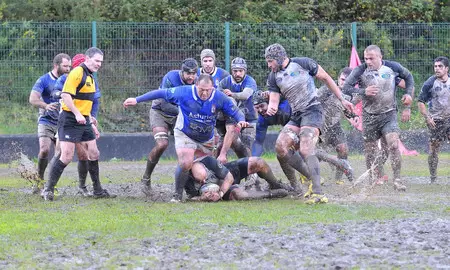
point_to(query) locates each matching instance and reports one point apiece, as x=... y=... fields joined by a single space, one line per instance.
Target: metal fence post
x=354 y=41
x=94 y=40
x=227 y=46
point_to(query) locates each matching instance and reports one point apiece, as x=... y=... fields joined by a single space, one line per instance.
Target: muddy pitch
x=420 y=241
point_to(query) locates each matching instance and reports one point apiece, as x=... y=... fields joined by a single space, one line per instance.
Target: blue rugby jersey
x=171 y=79
x=245 y=105
x=280 y=118
x=45 y=85
x=196 y=117
x=218 y=75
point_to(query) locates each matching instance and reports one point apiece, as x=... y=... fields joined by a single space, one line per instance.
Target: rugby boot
x=398 y=185
x=146 y=186
x=316 y=199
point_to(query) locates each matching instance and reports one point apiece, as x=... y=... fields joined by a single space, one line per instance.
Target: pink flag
x=354 y=62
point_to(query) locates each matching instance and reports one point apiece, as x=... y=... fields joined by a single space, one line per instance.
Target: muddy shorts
x=377 y=125
x=70 y=131
x=48 y=131
x=159 y=119
x=247 y=134
x=311 y=117
x=183 y=141
x=334 y=135
x=441 y=132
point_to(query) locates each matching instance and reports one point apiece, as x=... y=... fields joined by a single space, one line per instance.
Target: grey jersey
x=385 y=78
x=437 y=94
x=332 y=107
x=296 y=83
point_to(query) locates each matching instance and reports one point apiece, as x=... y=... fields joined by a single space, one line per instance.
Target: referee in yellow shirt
x=74 y=124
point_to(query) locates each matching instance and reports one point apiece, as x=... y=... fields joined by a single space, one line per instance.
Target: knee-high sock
x=289 y=171
x=54 y=175
x=314 y=168
x=268 y=175
x=42 y=165
x=94 y=172
x=296 y=161
x=83 y=166
x=181 y=178
x=149 y=168
x=433 y=160
x=324 y=156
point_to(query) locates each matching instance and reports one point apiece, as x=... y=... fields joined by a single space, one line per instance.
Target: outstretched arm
x=151 y=95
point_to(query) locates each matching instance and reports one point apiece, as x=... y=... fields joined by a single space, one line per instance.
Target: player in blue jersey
x=377 y=79
x=41 y=97
x=436 y=93
x=83 y=159
x=194 y=129
x=294 y=79
x=240 y=87
x=163 y=116
x=208 y=63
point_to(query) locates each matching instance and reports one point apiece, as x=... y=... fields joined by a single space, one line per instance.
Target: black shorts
x=311 y=117
x=377 y=125
x=334 y=135
x=70 y=131
x=441 y=132
x=238 y=168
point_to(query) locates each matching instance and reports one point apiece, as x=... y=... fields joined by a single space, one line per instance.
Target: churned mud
x=419 y=241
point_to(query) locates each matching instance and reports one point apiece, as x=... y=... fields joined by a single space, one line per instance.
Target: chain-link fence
x=137 y=55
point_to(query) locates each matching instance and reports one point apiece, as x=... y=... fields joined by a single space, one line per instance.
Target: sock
x=181 y=178
x=94 y=172
x=149 y=168
x=42 y=165
x=54 y=175
x=82 y=172
x=314 y=168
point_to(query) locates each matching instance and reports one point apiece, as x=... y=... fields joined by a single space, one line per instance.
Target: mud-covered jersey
x=280 y=118
x=246 y=106
x=215 y=173
x=171 y=79
x=385 y=78
x=437 y=94
x=196 y=117
x=217 y=75
x=296 y=83
x=45 y=85
x=95 y=104
x=332 y=106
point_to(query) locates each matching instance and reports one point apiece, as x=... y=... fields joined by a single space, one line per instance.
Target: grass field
x=75 y=232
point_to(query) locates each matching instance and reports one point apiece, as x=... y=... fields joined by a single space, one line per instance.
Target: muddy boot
x=433 y=180
x=146 y=186
x=252 y=181
x=398 y=185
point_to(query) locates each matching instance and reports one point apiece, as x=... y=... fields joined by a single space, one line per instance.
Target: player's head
x=61 y=64
x=205 y=86
x=210 y=192
x=208 y=60
x=94 y=59
x=189 y=70
x=373 y=57
x=238 y=69
x=260 y=102
x=275 y=55
x=441 y=66
x=343 y=74
x=78 y=59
